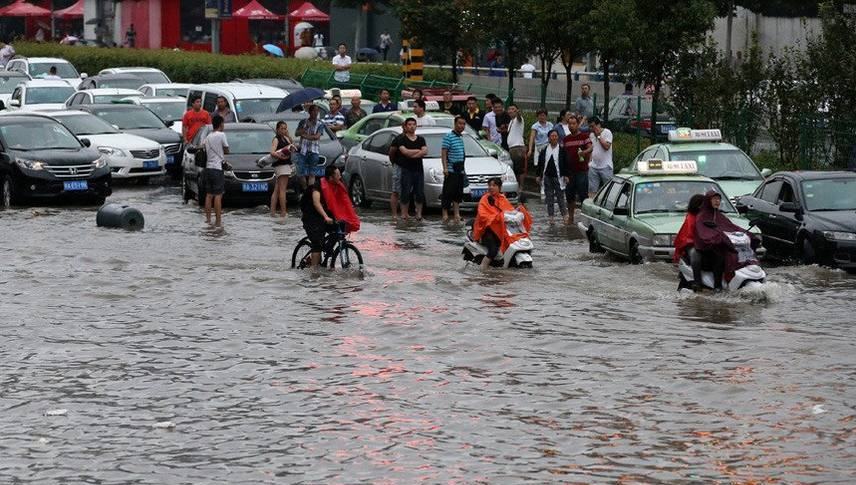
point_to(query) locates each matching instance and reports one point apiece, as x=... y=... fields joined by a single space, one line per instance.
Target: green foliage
x=612 y=29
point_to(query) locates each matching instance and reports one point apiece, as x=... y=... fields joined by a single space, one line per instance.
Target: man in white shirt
x=342 y=65
x=422 y=119
x=216 y=148
x=600 y=166
x=516 y=142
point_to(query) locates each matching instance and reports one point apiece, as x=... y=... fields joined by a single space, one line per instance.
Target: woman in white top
x=516 y=142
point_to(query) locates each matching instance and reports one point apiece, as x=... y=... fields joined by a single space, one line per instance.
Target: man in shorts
x=453 y=155
x=309 y=131
x=412 y=148
x=216 y=148
x=578 y=148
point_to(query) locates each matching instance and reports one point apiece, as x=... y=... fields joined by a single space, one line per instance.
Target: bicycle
x=336 y=247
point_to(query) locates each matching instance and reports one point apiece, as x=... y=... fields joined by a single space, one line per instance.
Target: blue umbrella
x=274 y=50
x=299 y=97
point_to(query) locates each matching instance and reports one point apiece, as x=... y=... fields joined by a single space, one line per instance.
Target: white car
x=149 y=74
x=38 y=67
x=40 y=95
x=129 y=156
x=100 y=96
x=165 y=89
x=9 y=80
x=168 y=108
x=247 y=101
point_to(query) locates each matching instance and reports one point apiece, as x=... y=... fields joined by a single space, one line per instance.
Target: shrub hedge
x=198 y=67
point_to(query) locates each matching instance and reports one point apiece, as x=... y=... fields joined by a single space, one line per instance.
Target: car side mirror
x=766 y=172
x=741 y=208
x=621 y=211
x=788 y=207
x=86 y=142
x=83 y=75
x=2 y=106
x=170 y=123
x=15 y=103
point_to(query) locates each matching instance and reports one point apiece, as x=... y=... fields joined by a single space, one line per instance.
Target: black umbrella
x=299 y=97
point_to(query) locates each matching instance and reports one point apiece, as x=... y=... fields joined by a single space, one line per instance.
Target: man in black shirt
x=473 y=114
x=411 y=149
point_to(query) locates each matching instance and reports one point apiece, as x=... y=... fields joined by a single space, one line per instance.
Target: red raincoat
x=684 y=239
x=492 y=216
x=337 y=200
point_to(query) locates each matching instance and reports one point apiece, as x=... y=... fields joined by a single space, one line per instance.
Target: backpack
x=200 y=158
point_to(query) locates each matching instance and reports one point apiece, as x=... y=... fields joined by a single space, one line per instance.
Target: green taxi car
x=735 y=172
x=362 y=129
x=637 y=215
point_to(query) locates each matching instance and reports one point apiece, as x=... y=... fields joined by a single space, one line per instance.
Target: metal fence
x=827 y=145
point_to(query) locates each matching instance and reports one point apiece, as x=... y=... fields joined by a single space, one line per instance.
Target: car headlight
x=508 y=176
x=113 y=152
x=505 y=157
x=436 y=175
x=229 y=174
x=100 y=163
x=31 y=164
x=663 y=240
x=840 y=236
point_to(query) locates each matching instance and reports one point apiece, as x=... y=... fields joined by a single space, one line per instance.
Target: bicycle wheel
x=300 y=256
x=351 y=257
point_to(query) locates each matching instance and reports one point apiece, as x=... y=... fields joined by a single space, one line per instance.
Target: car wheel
x=807 y=254
x=6 y=189
x=635 y=256
x=358 y=193
x=594 y=246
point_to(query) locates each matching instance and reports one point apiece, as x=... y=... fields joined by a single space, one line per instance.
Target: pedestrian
x=396 y=174
x=447 y=106
x=628 y=89
x=7 y=52
x=342 y=65
x=385 y=43
x=497 y=66
x=516 y=142
x=356 y=113
x=385 y=105
x=318 y=40
x=453 y=156
x=422 y=119
x=194 y=119
x=131 y=36
x=553 y=173
x=281 y=149
x=495 y=123
x=309 y=130
x=563 y=123
x=488 y=102
x=222 y=110
x=577 y=149
x=52 y=75
x=473 y=115
x=316 y=219
x=600 y=167
x=417 y=94
x=584 y=106
x=411 y=150
x=538 y=137
x=40 y=35
x=334 y=119
x=216 y=148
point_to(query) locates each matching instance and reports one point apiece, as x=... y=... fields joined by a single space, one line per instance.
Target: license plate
x=255 y=187
x=76 y=185
x=170 y=159
x=150 y=164
x=666 y=128
x=318 y=171
x=477 y=192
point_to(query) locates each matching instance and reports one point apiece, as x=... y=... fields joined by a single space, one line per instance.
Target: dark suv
x=40 y=158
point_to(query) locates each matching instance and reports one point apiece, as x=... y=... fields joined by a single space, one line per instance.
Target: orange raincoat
x=492 y=216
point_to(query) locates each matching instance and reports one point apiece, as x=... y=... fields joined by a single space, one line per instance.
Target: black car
x=115 y=81
x=330 y=149
x=246 y=182
x=808 y=215
x=139 y=120
x=40 y=159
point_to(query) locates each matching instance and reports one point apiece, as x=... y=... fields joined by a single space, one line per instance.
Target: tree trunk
x=510 y=68
x=455 y=67
x=728 y=30
x=658 y=83
x=569 y=81
x=545 y=80
x=605 y=89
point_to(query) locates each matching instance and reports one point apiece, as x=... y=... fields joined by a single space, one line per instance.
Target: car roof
x=41 y=83
x=131 y=69
x=167 y=85
x=127 y=91
x=421 y=130
x=116 y=76
x=5 y=115
x=245 y=126
x=815 y=174
x=19 y=74
x=41 y=60
x=65 y=112
x=111 y=107
x=161 y=99
x=242 y=90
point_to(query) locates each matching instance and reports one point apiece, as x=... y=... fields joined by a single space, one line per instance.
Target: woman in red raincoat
x=489 y=227
x=684 y=241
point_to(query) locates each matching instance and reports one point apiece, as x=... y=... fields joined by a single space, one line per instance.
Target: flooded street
x=184 y=356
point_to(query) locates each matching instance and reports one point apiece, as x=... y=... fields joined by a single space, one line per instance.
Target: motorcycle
x=749 y=274
x=518 y=254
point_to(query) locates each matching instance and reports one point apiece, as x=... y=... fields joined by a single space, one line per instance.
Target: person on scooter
x=710 y=239
x=489 y=226
x=684 y=240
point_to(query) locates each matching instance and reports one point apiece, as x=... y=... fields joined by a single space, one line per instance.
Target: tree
x=612 y=27
x=543 y=39
x=508 y=31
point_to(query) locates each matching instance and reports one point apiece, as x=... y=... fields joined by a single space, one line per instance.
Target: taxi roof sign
x=690 y=135
x=667 y=167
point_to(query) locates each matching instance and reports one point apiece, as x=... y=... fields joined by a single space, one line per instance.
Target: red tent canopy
x=73 y=12
x=255 y=11
x=309 y=13
x=23 y=9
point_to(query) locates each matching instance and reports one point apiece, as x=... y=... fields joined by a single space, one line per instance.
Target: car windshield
x=447 y=122
x=63 y=70
x=722 y=164
x=830 y=194
x=37 y=135
x=131 y=119
x=250 y=141
x=168 y=111
x=152 y=77
x=172 y=92
x=255 y=106
x=121 y=83
x=87 y=124
x=435 y=144
x=671 y=196
x=109 y=98
x=9 y=83
x=48 y=95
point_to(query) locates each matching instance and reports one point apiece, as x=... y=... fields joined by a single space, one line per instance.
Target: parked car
x=289 y=85
x=168 y=108
x=247 y=101
x=368 y=171
x=149 y=74
x=624 y=115
x=129 y=156
x=808 y=215
x=246 y=182
x=41 y=159
x=40 y=95
x=330 y=150
x=100 y=96
x=165 y=89
x=138 y=120
x=38 y=67
x=9 y=80
x=735 y=172
x=116 y=81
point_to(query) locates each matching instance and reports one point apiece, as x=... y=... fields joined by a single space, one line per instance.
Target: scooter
x=518 y=254
x=749 y=274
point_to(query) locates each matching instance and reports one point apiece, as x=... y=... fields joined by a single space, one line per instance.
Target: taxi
x=728 y=165
x=638 y=214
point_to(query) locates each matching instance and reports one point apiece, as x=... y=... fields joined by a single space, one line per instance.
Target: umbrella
x=73 y=12
x=255 y=11
x=274 y=50
x=367 y=53
x=309 y=13
x=23 y=9
x=299 y=97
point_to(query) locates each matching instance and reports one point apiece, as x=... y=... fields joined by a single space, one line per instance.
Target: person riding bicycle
x=489 y=227
x=316 y=219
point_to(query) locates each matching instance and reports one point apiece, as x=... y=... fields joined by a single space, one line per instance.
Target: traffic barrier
x=120 y=217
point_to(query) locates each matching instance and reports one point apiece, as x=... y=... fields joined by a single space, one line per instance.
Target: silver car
x=368 y=170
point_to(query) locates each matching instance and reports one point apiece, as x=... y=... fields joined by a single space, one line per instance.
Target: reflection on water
x=419 y=369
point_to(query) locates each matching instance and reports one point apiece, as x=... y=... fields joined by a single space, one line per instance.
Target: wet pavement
x=184 y=356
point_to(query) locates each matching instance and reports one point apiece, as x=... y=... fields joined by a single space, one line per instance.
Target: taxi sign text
x=686 y=134
x=664 y=167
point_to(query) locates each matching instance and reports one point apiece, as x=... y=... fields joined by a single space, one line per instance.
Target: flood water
x=183 y=356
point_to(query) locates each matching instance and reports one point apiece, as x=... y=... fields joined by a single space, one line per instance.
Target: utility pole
x=215 y=36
